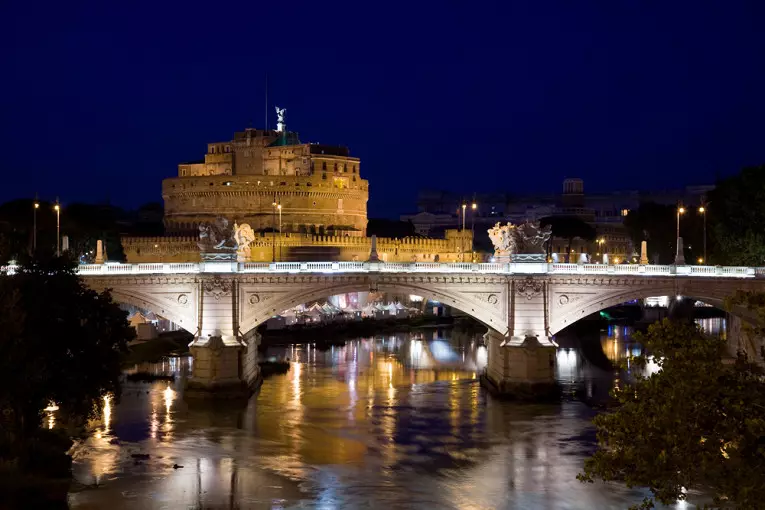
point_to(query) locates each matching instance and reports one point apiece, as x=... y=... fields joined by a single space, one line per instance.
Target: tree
x=696 y=423
x=59 y=342
x=736 y=215
x=569 y=228
x=652 y=222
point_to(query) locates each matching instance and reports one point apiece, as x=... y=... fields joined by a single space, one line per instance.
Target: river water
x=388 y=422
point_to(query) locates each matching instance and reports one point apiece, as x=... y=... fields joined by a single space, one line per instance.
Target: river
x=388 y=422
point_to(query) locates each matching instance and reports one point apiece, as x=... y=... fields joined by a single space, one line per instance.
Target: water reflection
x=397 y=420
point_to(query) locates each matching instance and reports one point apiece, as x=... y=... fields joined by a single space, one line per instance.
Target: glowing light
x=296 y=369
x=107 y=413
x=681 y=210
x=51 y=407
x=169 y=396
x=37 y=206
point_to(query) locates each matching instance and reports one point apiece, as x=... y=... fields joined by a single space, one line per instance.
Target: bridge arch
x=486 y=307
x=184 y=320
x=564 y=313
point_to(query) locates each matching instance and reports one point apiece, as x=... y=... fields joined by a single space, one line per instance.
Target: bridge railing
x=144 y=268
x=417 y=267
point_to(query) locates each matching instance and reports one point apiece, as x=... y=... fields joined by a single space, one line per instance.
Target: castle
x=271 y=181
x=305 y=201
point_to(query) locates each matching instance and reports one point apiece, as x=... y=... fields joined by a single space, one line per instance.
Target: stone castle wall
x=325 y=202
x=457 y=247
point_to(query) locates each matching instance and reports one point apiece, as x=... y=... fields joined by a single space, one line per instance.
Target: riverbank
x=176 y=343
x=338 y=332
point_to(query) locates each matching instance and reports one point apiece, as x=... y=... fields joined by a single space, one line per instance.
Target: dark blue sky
x=102 y=100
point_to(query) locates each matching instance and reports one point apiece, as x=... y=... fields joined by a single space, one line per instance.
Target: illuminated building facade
x=272 y=181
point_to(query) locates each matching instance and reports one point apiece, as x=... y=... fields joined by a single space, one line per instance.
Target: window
x=324 y=166
x=354 y=169
x=345 y=169
x=335 y=167
x=339 y=204
x=625 y=212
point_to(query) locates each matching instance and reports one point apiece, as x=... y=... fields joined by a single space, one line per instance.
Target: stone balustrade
x=419 y=267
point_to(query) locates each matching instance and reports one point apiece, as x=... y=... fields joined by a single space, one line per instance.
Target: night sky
x=100 y=101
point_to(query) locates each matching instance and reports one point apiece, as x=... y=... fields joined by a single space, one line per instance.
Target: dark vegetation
x=62 y=343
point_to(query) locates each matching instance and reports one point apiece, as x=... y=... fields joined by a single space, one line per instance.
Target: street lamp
x=703 y=212
x=464 y=206
x=273 y=228
x=680 y=210
x=34 y=225
x=57 y=208
x=601 y=243
x=279 y=207
x=473 y=209
x=679 y=256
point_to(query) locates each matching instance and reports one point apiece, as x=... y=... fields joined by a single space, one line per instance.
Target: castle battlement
x=268 y=246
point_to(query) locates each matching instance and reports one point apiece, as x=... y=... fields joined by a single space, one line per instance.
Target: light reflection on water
x=396 y=421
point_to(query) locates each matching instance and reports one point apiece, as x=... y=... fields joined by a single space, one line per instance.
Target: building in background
x=438 y=210
x=272 y=181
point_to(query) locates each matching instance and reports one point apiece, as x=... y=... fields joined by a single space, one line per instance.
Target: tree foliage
x=59 y=342
x=569 y=228
x=696 y=423
x=736 y=215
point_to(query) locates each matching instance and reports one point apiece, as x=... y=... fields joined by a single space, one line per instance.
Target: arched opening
x=145 y=303
x=261 y=311
x=566 y=313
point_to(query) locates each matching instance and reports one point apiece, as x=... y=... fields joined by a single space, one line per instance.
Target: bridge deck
x=419 y=267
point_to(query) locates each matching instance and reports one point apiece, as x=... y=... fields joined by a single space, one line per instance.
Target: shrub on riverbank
x=59 y=342
x=697 y=423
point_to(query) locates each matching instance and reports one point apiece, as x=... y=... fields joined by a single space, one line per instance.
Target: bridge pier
x=521 y=364
x=520 y=369
x=225 y=365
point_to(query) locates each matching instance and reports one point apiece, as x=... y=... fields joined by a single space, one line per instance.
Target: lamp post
x=473 y=209
x=679 y=256
x=601 y=242
x=703 y=212
x=34 y=225
x=57 y=208
x=273 y=230
x=279 y=207
x=464 y=206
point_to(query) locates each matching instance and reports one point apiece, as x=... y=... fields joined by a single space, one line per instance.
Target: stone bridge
x=522 y=304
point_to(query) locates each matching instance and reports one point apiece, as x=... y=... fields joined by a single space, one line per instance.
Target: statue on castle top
x=280 y=118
